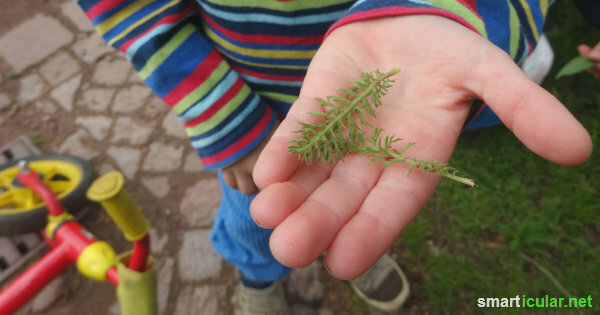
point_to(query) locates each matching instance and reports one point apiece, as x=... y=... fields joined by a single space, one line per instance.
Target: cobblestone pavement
x=61 y=85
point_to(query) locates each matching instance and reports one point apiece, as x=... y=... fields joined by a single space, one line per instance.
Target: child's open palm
x=354 y=210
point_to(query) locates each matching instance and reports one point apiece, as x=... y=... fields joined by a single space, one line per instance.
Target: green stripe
x=167 y=49
x=515 y=30
x=202 y=90
x=458 y=9
x=284 y=6
x=217 y=118
x=278 y=96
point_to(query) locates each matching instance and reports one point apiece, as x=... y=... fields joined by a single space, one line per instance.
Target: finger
x=536 y=117
x=595 y=53
x=308 y=231
x=246 y=184
x=391 y=205
x=230 y=180
x=584 y=50
x=277 y=201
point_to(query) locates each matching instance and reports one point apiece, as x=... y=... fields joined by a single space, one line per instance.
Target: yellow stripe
x=544 y=6
x=201 y=90
x=112 y=21
x=264 y=65
x=146 y=18
x=285 y=6
x=223 y=113
x=527 y=10
x=262 y=53
x=160 y=55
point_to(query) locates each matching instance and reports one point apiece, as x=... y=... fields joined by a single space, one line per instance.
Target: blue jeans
x=240 y=241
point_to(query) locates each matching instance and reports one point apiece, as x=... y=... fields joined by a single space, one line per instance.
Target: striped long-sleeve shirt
x=229 y=68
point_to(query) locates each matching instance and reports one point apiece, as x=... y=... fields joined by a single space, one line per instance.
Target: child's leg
x=241 y=242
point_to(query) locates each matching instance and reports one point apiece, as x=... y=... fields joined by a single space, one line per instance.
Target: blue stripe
x=138 y=15
x=179 y=65
x=273 y=19
x=231 y=125
x=149 y=48
x=266 y=61
x=295 y=46
x=254 y=80
x=496 y=11
x=225 y=83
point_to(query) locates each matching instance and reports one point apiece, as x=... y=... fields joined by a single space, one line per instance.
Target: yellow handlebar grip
x=108 y=190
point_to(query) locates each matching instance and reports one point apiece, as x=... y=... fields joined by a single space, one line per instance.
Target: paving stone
x=206 y=298
x=201 y=202
x=97 y=125
x=158 y=241
x=59 y=67
x=4 y=101
x=133 y=131
x=173 y=126
x=304 y=282
x=158 y=185
x=197 y=260
x=91 y=48
x=155 y=107
x=192 y=163
x=135 y=78
x=73 y=11
x=30 y=88
x=127 y=159
x=64 y=94
x=33 y=40
x=165 y=276
x=163 y=157
x=131 y=99
x=76 y=145
x=96 y=99
x=111 y=71
x=46 y=106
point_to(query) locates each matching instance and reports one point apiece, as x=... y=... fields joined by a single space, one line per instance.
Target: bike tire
x=68 y=176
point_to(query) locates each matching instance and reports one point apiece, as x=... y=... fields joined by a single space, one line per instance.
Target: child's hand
x=594 y=55
x=239 y=174
x=354 y=210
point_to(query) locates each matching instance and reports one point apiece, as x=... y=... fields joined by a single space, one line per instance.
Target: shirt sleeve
x=163 y=40
x=513 y=25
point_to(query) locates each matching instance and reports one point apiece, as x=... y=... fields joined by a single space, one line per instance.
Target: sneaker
x=384 y=286
x=267 y=301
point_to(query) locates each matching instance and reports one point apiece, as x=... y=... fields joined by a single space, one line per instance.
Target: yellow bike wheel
x=22 y=211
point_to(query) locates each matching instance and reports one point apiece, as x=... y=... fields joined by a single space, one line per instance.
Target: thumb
x=535 y=116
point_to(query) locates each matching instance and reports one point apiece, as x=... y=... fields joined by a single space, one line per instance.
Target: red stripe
x=166 y=20
x=267 y=76
x=214 y=108
x=397 y=11
x=243 y=142
x=101 y=7
x=263 y=39
x=196 y=78
x=470 y=4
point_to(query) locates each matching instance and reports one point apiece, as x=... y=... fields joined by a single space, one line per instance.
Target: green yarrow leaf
x=574 y=66
x=340 y=132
